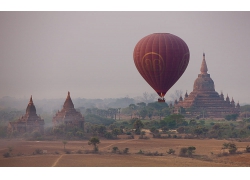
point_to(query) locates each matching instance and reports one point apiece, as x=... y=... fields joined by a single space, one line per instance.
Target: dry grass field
x=205 y=154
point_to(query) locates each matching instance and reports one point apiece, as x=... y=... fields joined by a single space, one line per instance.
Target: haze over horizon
x=90 y=54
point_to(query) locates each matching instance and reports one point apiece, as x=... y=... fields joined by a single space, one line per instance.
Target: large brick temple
x=204 y=101
x=29 y=122
x=68 y=115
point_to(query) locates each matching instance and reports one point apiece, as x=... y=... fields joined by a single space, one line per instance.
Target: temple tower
x=29 y=122
x=204 y=100
x=68 y=115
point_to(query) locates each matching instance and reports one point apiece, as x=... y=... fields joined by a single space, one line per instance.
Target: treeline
x=142 y=110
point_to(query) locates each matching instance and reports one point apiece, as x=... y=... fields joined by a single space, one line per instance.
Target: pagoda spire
x=203 y=65
x=68 y=104
x=31 y=100
x=31 y=109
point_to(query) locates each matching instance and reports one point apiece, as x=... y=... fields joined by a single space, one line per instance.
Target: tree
x=64 y=144
x=173 y=121
x=101 y=130
x=150 y=113
x=94 y=141
x=176 y=95
x=116 y=132
x=187 y=151
x=138 y=125
x=115 y=149
x=143 y=113
x=192 y=122
x=180 y=129
x=132 y=107
x=142 y=134
x=231 y=147
x=156 y=132
x=232 y=117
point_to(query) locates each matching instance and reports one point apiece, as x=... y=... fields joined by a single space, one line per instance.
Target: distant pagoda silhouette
x=204 y=101
x=30 y=122
x=68 y=115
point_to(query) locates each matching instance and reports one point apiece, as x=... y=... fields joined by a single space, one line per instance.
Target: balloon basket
x=161 y=100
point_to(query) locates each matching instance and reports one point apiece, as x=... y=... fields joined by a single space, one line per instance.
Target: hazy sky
x=90 y=54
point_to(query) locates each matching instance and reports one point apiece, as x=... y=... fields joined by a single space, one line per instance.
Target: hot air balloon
x=161 y=59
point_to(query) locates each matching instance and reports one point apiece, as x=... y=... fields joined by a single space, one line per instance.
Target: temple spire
x=204 y=65
x=68 y=104
x=31 y=101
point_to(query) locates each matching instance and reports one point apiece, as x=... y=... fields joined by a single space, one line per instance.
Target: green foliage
x=36 y=134
x=138 y=125
x=116 y=132
x=64 y=144
x=115 y=149
x=245 y=108
x=108 y=135
x=192 y=122
x=94 y=141
x=157 y=105
x=143 y=113
x=171 y=151
x=180 y=129
x=3 y=131
x=140 y=152
x=80 y=134
x=95 y=119
x=231 y=147
x=7 y=115
x=173 y=121
x=164 y=129
x=232 y=117
x=187 y=151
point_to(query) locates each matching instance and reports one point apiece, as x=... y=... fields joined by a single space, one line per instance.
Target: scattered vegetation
x=64 y=144
x=171 y=151
x=115 y=149
x=38 y=151
x=125 y=151
x=6 y=154
x=231 y=147
x=94 y=141
x=187 y=151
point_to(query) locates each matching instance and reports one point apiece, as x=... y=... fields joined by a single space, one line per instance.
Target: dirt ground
x=206 y=153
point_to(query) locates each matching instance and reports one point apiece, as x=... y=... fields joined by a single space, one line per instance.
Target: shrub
x=184 y=152
x=128 y=133
x=36 y=134
x=114 y=149
x=38 y=151
x=171 y=151
x=79 y=151
x=108 y=135
x=131 y=137
x=6 y=155
x=125 y=151
x=19 y=154
x=153 y=153
x=248 y=149
x=67 y=152
x=231 y=147
x=140 y=152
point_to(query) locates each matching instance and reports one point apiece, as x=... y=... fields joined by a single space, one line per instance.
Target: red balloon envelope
x=161 y=59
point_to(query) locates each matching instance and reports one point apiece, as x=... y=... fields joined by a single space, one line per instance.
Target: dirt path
x=55 y=163
x=117 y=143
